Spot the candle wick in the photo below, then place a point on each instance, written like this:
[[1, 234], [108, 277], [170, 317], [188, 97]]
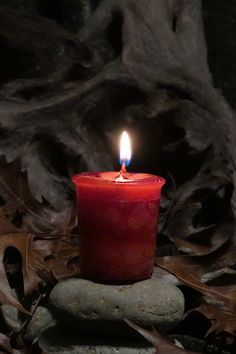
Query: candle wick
[[123, 168], [123, 172]]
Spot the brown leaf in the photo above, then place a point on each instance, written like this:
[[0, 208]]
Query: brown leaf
[[220, 305], [161, 345], [190, 247], [50, 221], [14, 190], [30, 263], [188, 269], [222, 317], [5, 343], [223, 320], [41, 235], [18, 201], [63, 259], [5, 225], [68, 221]]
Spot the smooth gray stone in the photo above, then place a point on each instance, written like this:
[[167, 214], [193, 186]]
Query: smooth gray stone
[[11, 317], [102, 308], [41, 320], [56, 340]]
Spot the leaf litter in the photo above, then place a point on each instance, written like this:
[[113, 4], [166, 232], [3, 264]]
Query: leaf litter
[[42, 237], [48, 246]]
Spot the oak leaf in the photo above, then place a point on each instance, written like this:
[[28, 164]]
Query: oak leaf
[[37, 231], [162, 345], [223, 320]]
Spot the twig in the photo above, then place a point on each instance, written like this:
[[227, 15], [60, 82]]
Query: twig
[[32, 313]]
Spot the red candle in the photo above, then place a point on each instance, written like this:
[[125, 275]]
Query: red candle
[[118, 213]]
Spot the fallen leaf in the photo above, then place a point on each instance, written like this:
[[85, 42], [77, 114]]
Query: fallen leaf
[[14, 190], [39, 233], [189, 269], [223, 320], [30, 263], [5, 343], [49, 221], [162, 345]]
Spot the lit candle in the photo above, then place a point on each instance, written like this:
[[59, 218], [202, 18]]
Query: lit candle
[[118, 214]]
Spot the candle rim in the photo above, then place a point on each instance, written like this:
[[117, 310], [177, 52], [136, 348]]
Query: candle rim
[[144, 178]]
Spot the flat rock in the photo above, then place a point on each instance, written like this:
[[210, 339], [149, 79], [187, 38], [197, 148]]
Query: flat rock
[[102, 308], [58, 340]]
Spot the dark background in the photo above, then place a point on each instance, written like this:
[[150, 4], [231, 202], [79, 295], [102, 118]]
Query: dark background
[[220, 27]]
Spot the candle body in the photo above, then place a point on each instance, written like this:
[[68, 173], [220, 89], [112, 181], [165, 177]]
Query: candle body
[[117, 224]]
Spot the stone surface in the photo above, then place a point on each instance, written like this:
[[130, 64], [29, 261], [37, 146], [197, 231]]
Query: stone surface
[[102, 308], [56, 340], [10, 315], [41, 320]]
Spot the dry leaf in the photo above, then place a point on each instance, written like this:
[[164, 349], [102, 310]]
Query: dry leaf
[[41, 235], [14, 190], [161, 345], [5, 343], [223, 320], [188, 269]]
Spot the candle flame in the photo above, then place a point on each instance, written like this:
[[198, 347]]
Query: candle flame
[[125, 149]]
